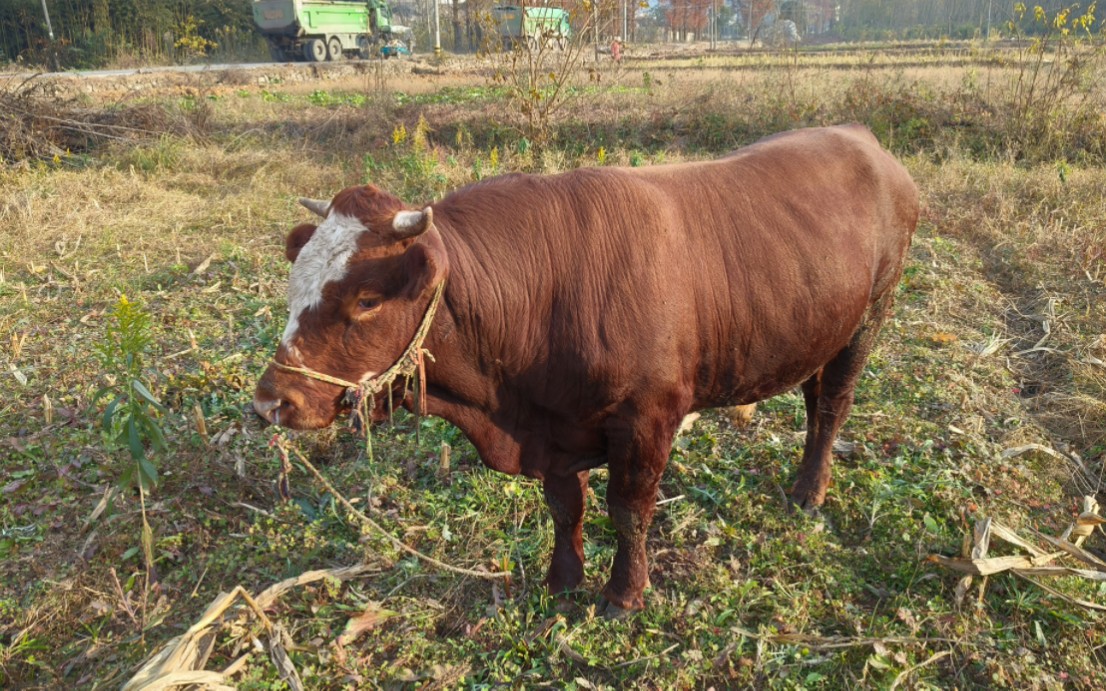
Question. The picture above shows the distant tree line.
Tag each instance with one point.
(91, 33)
(849, 19)
(937, 18)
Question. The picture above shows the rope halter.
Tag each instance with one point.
(411, 365)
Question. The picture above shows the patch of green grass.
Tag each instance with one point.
(744, 592)
(325, 99)
(467, 95)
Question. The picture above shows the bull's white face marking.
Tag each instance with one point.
(323, 259)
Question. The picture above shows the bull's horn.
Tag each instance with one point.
(408, 224)
(320, 207)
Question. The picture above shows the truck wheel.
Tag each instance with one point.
(364, 48)
(276, 53)
(334, 49)
(314, 50)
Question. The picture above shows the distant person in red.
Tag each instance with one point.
(616, 49)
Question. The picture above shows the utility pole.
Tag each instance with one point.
(987, 37)
(50, 32)
(437, 32)
(625, 20)
(710, 23)
(595, 27)
(49, 27)
(749, 26)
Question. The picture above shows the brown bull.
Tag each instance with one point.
(584, 314)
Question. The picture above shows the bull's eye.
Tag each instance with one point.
(368, 304)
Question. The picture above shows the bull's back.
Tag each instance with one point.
(741, 275)
(802, 232)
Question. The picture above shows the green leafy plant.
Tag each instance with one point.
(131, 418)
(20, 651)
(417, 160)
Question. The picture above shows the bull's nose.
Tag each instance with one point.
(268, 409)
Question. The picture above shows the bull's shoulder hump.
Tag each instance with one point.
(812, 139)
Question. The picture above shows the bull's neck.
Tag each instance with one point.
(452, 340)
(461, 385)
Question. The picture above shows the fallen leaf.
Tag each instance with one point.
(363, 622)
(202, 267)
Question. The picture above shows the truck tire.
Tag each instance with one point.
(364, 47)
(276, 53)
(314, 50)
(334, 49)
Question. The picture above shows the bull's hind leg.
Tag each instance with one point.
(809, 489)
(829, 397)
(565, 497)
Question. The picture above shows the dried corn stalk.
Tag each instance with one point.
(180, 662)
(1034, 561)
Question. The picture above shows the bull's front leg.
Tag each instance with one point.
(565, 497)
(635, 473)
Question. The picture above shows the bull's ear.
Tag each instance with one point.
(426, 264)
(409, 224)
(297, 239)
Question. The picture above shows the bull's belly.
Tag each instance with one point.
(744, 381)
(754, 393)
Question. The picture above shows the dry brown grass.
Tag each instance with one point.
(1005, 247)
(1038, 239)
(38, 121)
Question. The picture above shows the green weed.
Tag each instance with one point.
(131, 419)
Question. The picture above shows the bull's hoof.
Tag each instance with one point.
(614, 605)
(613, 612)
(814, 512)
(807, 506)
(567, 600)
(807, 496)
(565, 604)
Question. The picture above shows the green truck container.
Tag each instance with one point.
(523, 25)
(318, 30)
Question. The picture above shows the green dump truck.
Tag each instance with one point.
(531, 27)
(318, 30)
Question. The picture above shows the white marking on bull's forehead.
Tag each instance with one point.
(323, 259)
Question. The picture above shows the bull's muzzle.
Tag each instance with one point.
(273, 405)
(268, 409)
(289, 400)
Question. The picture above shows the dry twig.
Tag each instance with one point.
(399, 544)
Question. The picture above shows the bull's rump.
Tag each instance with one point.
(738, 277)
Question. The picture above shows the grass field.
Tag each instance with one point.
(985, 397)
